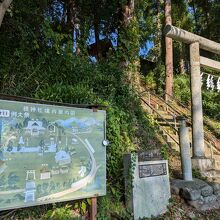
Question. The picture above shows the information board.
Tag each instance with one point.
(50, 153)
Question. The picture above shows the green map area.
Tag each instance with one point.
(50, 153)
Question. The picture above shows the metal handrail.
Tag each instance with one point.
(205, 119)
(177, 100)
(170, 106)
(207, 139)
(167, 122)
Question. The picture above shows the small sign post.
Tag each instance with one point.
(93, 209)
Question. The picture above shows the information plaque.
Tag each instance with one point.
(50, 153)
(150, 170)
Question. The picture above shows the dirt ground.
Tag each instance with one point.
(179, 210)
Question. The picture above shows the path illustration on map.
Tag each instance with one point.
(50, 153)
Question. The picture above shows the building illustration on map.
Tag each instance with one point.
(50, 153)
(34, 128)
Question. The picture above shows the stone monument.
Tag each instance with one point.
(147, 184)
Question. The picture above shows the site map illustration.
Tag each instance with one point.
(50, 153)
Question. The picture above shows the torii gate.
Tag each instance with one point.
(196, 61)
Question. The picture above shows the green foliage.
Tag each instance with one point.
(150, 80)
(211, 104)
(129, 43)
(164, 150)
(206, 19)
(155, 78)
(80, 93)
(159, 72)
(50, 71)
(182, 88)
(181, 16)
(61, 213)
(108, 210)
(210, 98)
(196, 174)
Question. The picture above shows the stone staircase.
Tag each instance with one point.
(166, 116)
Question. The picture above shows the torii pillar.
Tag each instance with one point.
(196, 94)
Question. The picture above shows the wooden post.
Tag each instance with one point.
(197, 114)
(93, 209)
(169, 54)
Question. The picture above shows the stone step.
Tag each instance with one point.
(217, 161)
(157, 106)
(168, 124)
(167, 118)
(165, 113)
(167, 130)
(211, 173)
(170, 138)
(173, 146)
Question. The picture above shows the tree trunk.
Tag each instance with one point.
(70, 15)
(158, 43)
(96, 30)
(129, 63)
(182, 59)
(3, 8)
(195, 16)
(207, 18)
(169, 54)
(128, 11)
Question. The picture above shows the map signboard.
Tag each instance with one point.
(50, 153)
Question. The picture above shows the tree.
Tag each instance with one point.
(206, 18)
(169, 53)
(3, 8)
(182, 19)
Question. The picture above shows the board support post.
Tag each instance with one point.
(93, 209)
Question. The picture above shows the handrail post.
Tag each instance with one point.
(167, 107)
(175, 125)
(185, 150)
(149, 102)
(211, 150)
